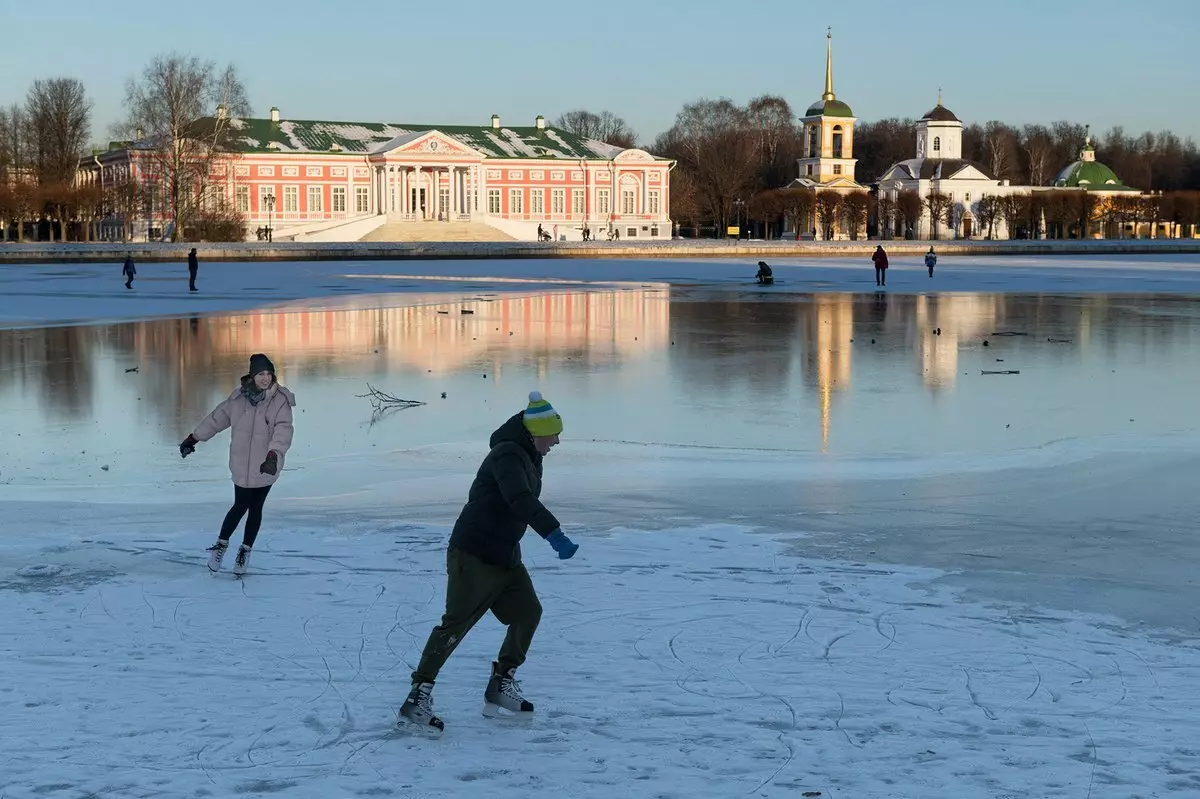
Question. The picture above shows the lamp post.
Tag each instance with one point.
(738, 205)
(270, 201)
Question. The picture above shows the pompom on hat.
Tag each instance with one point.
(540, 418)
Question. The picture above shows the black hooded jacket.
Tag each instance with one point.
(503, 499)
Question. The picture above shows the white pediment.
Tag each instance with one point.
(634, 154)
(428, 143)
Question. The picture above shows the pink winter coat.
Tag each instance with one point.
(255, 431)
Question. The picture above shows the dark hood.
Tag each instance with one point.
(514, 430)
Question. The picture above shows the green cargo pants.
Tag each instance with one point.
(472, 589)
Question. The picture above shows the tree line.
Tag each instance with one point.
(168, 118)
(732, 161)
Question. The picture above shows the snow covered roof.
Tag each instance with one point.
(936, 169)
(361, 138)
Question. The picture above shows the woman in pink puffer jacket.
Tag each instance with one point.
(259, 415)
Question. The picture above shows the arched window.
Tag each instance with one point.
(937, 144)
(837, 141)
(814, 141)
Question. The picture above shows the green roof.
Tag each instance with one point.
(829, 108)
(1089, 174)
(360, 138)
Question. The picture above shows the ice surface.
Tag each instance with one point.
(809, 562)
(691, 662)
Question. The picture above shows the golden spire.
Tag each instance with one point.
(828, 95)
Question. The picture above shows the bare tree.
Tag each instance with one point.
(1039, 151)
(14, 159)
(937, 203)
(8, 209)
(777, 139)
(26, 199)
(172, 103)
(58, 123)
(798, 205)
(605, 126)
(909, 205)
(886, 213)
(711, 141)
(987, 210)
(828, 204)
(1000, 150)
(855, 206)
(767, 207)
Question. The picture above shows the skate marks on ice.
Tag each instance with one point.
(692, 662)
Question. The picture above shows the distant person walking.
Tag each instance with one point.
(879, 257)
(259, 416)
(930, 261)
(193, 268)
(128, 271)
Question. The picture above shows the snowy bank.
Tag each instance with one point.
(678, 248)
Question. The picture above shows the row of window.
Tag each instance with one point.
(558, 201)
(289, 202)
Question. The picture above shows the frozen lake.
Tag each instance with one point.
(837, 539)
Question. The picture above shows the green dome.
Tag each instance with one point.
(1091, 174)
(829, 108)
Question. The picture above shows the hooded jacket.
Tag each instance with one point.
(503, 500)
(255, 430)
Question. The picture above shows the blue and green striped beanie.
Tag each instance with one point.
(540, 418)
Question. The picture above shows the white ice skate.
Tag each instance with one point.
(216, 553)
(502, 699)
(241, 562)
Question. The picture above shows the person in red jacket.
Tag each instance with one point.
(881, 265)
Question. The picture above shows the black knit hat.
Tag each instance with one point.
(260, 363)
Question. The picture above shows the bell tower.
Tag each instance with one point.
(828, 132)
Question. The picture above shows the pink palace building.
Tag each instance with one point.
(341, 181)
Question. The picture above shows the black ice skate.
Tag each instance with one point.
(216, 553)
(418, 709)
(503, 699)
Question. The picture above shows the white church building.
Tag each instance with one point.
(940, 168)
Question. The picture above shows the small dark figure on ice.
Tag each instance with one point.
(930, 261)
(193, 267)
(765, 277)
(128, 271)
(881, 264)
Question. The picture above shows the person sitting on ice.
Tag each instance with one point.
(765, 276)
(259, 415)
(483, 564)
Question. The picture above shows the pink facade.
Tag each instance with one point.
(431, 176)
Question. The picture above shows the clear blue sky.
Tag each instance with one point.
(457, 62)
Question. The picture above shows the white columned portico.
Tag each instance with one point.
(417, 210)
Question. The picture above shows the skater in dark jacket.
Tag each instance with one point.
(483, 563)
(259, 416)
(881, 265)
(193, 268)
(930, 261)
(128, 271)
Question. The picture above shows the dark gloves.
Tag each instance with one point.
(271, 464)
(562, 545)
(188, 446)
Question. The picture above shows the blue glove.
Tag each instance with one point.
(562, 545)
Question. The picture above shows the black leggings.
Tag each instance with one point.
(245, 499)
